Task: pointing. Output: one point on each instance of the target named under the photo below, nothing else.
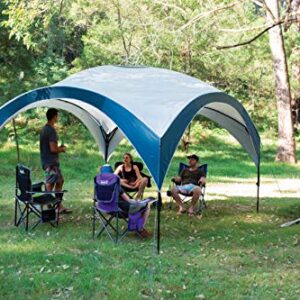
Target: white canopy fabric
(150, 106)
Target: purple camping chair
(107, 191)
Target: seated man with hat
(190, 180)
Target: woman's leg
(142, 185)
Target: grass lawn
(230, 253)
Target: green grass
(231, 253)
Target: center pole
(158, 207)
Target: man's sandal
(191, 213)
(65, 211)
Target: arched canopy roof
(150, 106)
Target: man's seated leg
(177, 198)
(195, 198)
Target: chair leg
(16, 211)
(37, 223)
(123, 234)
(57, 215)
(56, 222)
(202, 204)
(105, 223)
(170, 205)
(30, 208)
(117, 227)
(94, 221)
(203, 197)
(18, 208)
(27, 217)
(22, 217)
(171, 199)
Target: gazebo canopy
(150, 106)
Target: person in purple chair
(190, 180)
(129, 205)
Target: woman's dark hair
(130, 156)
(51, 113)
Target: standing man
(50, 150)
(190, 180)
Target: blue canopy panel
(152, 107)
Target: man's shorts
(186, 188)
(53, 175)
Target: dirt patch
(280, 188)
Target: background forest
(41, 42)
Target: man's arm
(55, 149)
(176, 179)
(202, 180)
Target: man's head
(52, 114)
(193, 160)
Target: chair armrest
(40, 192)
(202, 184)
(148, 200)
(45, 192)
(37, 187)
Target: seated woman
(131, 177)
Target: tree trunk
(286, 150)
(295, 75)
(186, 139)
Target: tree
(286, 150)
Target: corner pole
(258, 185)
(16, 139)
(158, 207)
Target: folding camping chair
(132, 192)
(32, 199)
(106, 209)
(187, 197)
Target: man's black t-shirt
(47, 135)
(188, 176)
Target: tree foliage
(43, 41)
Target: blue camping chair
(187, 197)
(32, 200)
(109, 210)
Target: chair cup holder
(48, 215)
